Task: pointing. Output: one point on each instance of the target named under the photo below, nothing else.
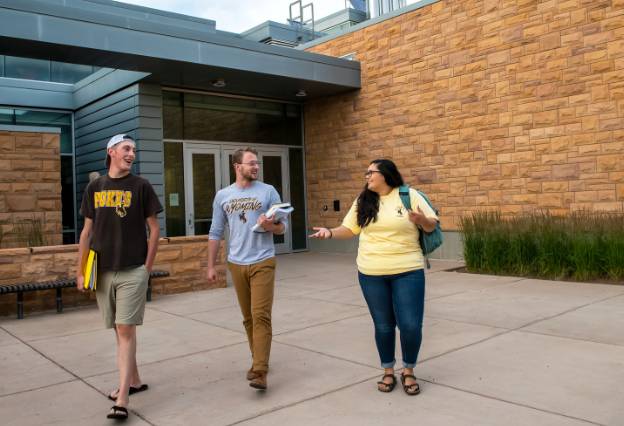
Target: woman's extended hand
(417, 217)
(321, 233)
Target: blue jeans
(397, 299)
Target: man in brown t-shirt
(116, 208)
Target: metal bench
(59, 285)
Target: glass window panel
(174, 189)
(42, 118)
(297, 199)
(214, 118)
(69, 237)
(6, 116)
(69, 73)
(67, 192)
(172, 115)
(27, 68)
(204, 191)
(232, 171)
(66, 140)
(61, 120)
(1, 65)
(272, 174)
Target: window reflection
(43, 70)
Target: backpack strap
(405, 197)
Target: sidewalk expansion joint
(71, 373)
(292, 404)
(518, 404)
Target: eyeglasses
(369, 173)
(252, 163)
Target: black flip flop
(118, 413)
(414, 388)
(132, 390)
(389, 387)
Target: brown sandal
(414, 388)
(389, 387)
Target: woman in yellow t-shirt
(390, 265)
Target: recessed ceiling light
(219, 82)
(301, 93)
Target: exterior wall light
(301, 93)
(219, 82)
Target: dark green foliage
(583, 246)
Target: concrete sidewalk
(496, 351)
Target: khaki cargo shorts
(121, 296)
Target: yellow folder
(90, 272)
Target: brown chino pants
(254, 286)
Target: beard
(249, 176)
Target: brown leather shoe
(251, 374)
(260, 382)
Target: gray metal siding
(135, 110)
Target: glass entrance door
(274, 171)
(202, 177)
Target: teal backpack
(429, 241)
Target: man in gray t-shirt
(251, 255)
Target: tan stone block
(503, 158)
(545, 118)
(509, 170)
(535, 31)
(7, 142)
(612, 77)
(27, 141)
(606, 196)
(525, 198)
(550, 41)
(585, 196)
(619, 192)
(10, 271)
(554, 159)
(522, 119)
(608, 207)
(555, 186)
(609, 163)
(20, 203)
(21, 187)
(26, 164)
(48, 205)
(561, 144)
(611, 124)
(185, 267)
(602, 66)
(615, 48)
(589, 149)
(523, 156)
(566, 171)
(582, 99)
(613, 147)
(550, 200)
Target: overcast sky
(240, 15)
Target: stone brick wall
(30, 187)
(185, 258)
(510, 105)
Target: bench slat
(58, 285)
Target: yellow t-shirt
(389, 245)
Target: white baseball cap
(114, 141)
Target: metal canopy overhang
(172, 56)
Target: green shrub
(582, 246)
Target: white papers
(277, 212)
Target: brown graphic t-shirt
(119, 208)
